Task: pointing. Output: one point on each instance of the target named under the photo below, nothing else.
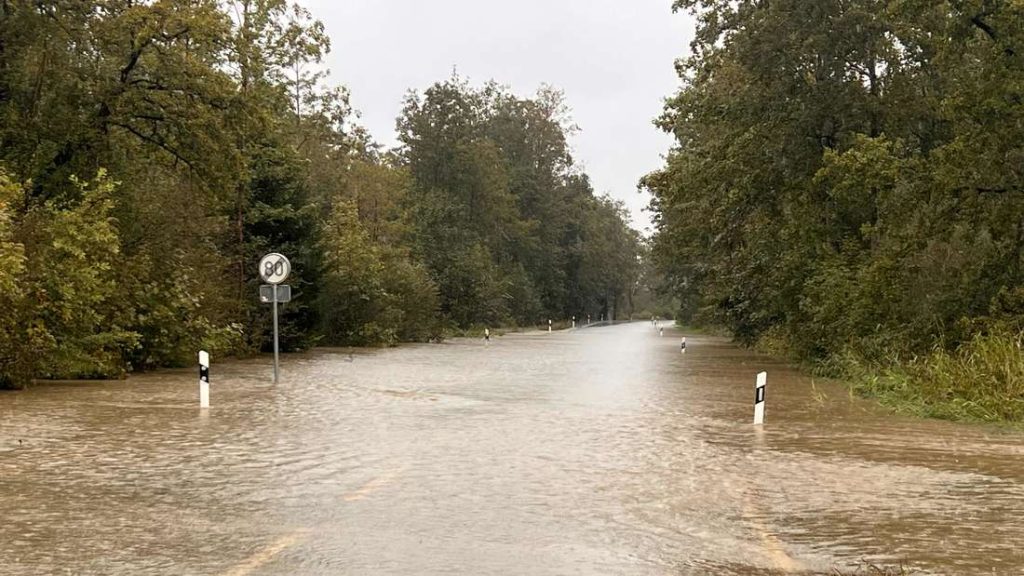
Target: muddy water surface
(598, 451)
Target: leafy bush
(67, 315)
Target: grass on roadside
(981, 381)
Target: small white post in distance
(682, 346)
(204, 379)
(759, 386)
(549, 325)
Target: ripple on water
(598, 451)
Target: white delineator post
(549, 326)
(762, 380)
(204, 379)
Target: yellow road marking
(774, 547)
(777, 553)
(266, 555)
(372, 486)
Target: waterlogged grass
(982, 381)
(868, 569)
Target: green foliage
(510, 231)
(65, 317)
(172, 319)
(72, 254)
(352, 285)
(846, 182)
(372, 294)
(410, 300)
(281, 218)
(16, 360)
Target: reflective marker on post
(204, 379)
(762, 380)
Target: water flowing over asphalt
(596, 451)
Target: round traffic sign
(274, 268)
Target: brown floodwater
(597, 451)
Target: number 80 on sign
(274, 268)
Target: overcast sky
(612, 58)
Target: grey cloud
(613, 59)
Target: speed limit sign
(274, 268)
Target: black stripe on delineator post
(204, 379)
(759, 395)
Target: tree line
(151, 152)
(847, 185)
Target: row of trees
(151, 152)
(848, 174)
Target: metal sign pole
(275, 334)
(274, 269)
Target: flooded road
(598, 451)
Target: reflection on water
(599, 451)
